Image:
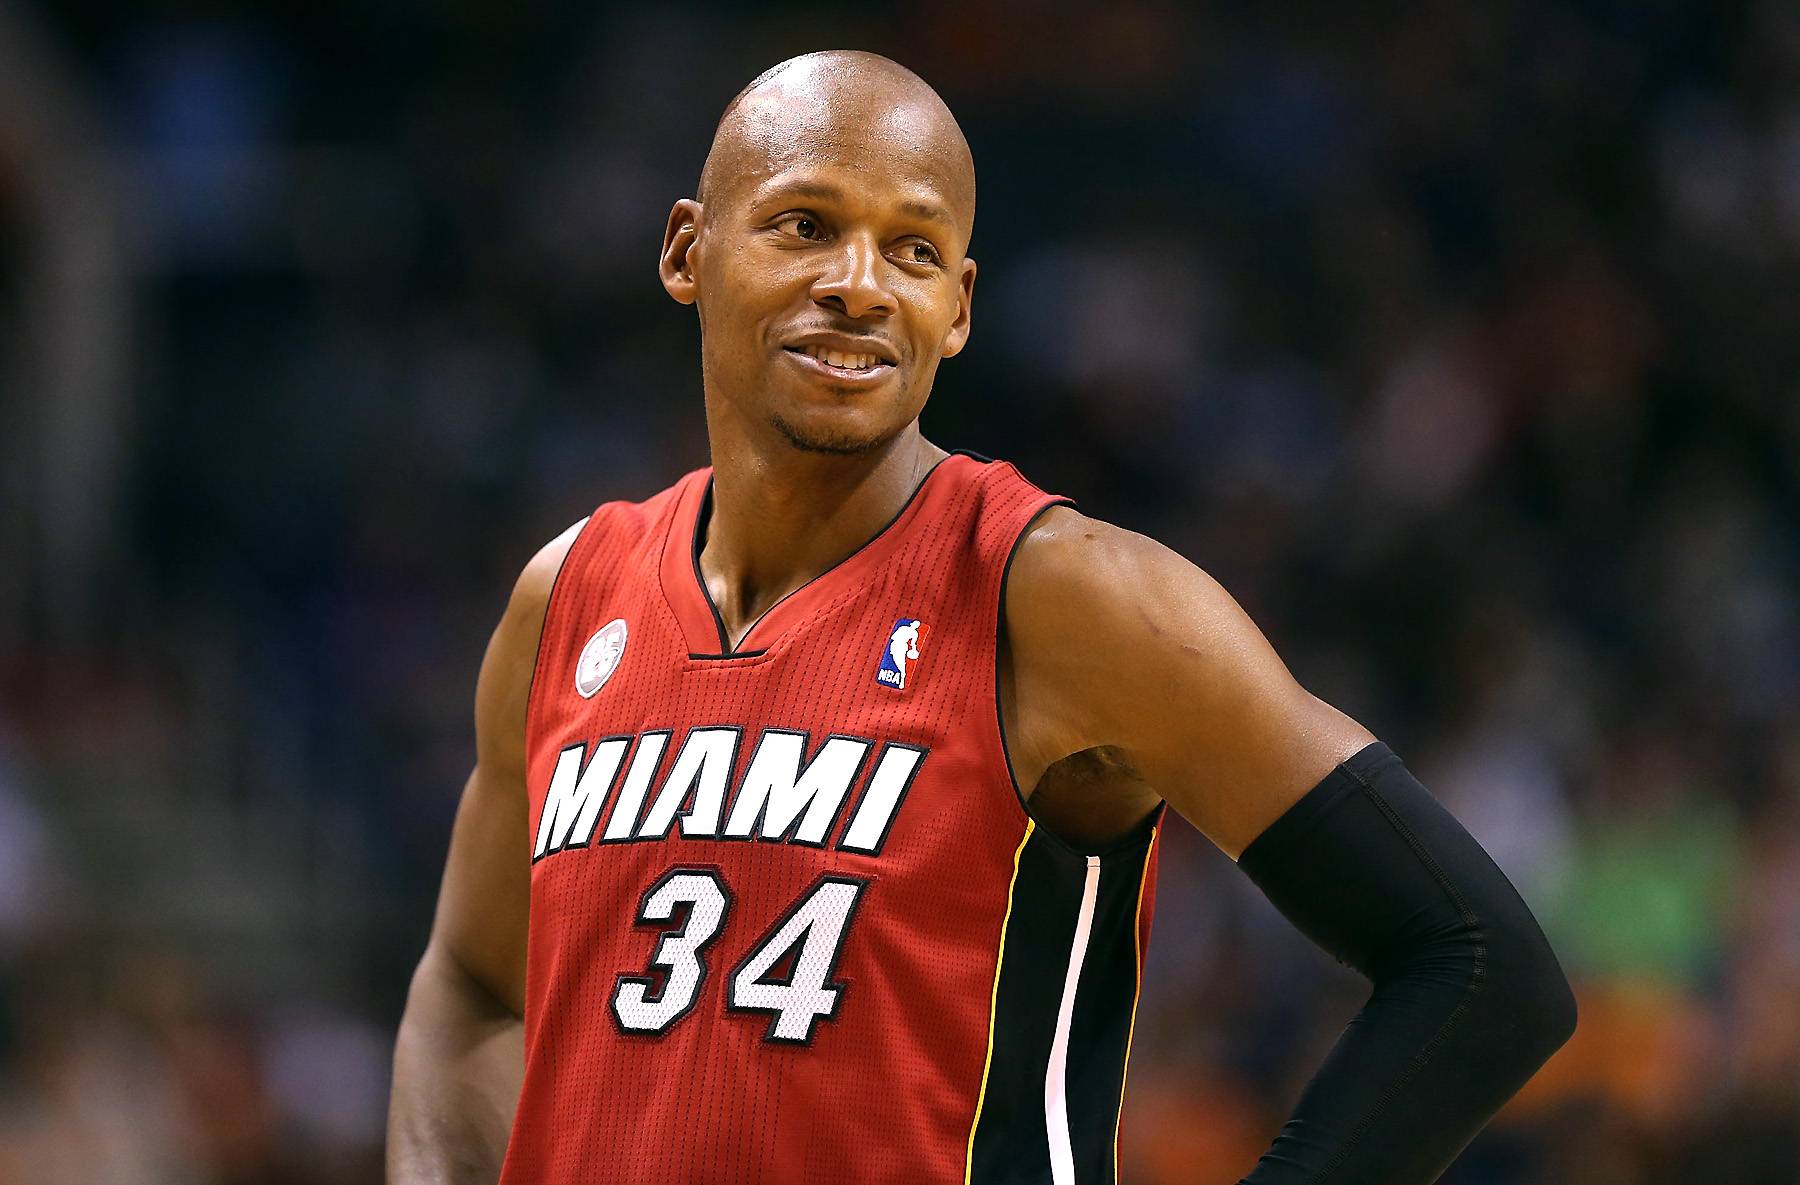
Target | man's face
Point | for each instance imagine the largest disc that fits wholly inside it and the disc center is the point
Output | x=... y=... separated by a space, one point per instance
x=830 y=272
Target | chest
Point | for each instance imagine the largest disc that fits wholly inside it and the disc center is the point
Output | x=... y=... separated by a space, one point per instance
x=858 y=724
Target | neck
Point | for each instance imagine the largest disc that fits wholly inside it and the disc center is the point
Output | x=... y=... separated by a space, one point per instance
x=781 y=516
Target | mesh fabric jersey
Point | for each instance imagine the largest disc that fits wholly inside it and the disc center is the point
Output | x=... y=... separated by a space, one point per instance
x=790 y=921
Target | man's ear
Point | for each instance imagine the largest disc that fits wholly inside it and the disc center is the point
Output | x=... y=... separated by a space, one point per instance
x=958 y=337
x=680 y=251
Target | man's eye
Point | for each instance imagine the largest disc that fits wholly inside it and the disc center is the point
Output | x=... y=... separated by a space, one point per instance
x=919 y=252
x=799 y=224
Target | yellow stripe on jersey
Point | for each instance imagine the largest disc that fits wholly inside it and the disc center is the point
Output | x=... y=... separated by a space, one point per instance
x=987 y=1062
x=1137 y=944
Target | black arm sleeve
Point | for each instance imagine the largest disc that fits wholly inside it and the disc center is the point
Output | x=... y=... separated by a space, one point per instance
x=1469 y=1000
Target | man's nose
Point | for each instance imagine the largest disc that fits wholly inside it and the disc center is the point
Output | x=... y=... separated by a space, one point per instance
x=853 y=281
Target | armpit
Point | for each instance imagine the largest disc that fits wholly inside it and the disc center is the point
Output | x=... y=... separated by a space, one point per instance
x=1093 y=797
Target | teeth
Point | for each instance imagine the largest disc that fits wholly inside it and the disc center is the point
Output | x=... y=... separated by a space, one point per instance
x=841 y=360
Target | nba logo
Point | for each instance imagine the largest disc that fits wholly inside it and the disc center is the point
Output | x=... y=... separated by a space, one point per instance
x=902 y=653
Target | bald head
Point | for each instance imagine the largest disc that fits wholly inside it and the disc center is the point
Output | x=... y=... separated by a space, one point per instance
x=816 y=103
x=827 y=256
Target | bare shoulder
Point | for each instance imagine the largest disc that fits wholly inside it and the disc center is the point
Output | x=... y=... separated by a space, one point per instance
x=1095 y=618
x=1118 y=643
x=485 y=899
x=505 y=682
x=1067 y=554
x=531 y=592
x=1088 y=590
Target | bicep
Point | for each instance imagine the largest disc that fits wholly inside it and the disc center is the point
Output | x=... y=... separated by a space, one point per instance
x=1235 y=740
x=1155 y=659
x=484 y=902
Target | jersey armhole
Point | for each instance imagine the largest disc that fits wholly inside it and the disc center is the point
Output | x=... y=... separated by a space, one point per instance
x=1140 y=834
x=550 y=602
x=1012 y=552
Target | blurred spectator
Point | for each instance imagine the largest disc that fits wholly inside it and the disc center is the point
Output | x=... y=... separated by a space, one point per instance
x=1460 y=344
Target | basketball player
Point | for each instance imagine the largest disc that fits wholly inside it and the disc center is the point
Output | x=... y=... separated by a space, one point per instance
x=817 y=798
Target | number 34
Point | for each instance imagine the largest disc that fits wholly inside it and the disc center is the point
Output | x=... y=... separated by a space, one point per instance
x=809 y=937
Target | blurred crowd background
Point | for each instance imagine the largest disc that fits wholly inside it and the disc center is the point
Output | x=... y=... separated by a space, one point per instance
x=1461 y=342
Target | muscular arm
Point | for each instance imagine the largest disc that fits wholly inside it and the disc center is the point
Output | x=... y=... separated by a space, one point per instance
x=459 y=1057
x=1119 y=648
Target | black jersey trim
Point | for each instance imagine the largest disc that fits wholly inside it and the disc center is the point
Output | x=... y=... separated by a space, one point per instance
x=1140 y=832
x=537 y=657
x=1106 y=1007
x=725 y=650
x=1010 y=1138
x=1137 y=991
x=1012 y=553
x=700 y=580
x=987 y=1064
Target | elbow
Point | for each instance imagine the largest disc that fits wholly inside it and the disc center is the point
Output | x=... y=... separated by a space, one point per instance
x=1554 y=1000
x=1559 y=1011
x=1530 y=984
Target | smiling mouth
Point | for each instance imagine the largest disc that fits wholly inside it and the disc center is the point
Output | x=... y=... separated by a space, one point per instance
x=841 y=362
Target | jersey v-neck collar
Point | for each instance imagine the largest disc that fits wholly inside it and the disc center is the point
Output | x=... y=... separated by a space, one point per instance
x=703 y=627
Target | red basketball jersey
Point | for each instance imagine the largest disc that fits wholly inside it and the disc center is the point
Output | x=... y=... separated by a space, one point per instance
x=790 y=921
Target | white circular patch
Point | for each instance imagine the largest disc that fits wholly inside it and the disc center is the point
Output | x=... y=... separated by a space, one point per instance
x=600 y=658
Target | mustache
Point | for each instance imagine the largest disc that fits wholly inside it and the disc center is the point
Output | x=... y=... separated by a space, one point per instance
x=845 y=329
